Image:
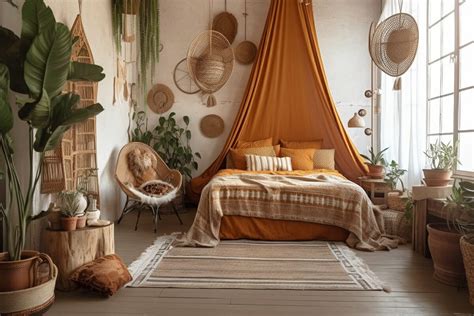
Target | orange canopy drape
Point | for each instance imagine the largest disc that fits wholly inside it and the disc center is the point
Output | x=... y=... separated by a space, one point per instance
x=287 y=95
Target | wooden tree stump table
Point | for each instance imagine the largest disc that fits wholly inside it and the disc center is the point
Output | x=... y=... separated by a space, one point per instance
x=70 y=250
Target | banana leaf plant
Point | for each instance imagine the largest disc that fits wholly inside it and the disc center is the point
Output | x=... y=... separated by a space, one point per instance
x=37 y=65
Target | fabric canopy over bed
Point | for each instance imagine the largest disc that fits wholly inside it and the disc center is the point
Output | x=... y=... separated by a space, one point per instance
x=287 y=96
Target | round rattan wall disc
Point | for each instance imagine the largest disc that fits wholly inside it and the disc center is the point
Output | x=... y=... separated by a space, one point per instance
x=393 y=44
x=160 y=98
x=212 y=126
x=246 y=52
x=226 y=23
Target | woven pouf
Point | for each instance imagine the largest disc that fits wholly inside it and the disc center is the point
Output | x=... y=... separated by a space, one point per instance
x=467 y=249
x=396 y=224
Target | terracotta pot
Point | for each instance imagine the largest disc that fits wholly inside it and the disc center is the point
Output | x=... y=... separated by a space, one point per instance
x=20 y=274
x=467 y=249
x=376 y=171
x=54 y=219
x=437 y=177
x=81 y=221
x=69 y=223
x=446 y=254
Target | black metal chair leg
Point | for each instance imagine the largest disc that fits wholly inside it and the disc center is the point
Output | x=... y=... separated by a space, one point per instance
x=123 y=211
x=176 y=212
x=138 y=218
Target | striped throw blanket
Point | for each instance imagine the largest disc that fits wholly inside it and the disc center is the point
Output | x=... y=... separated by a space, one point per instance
x=317 y=198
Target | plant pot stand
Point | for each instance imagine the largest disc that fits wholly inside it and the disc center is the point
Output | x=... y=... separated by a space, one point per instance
x=72 y=249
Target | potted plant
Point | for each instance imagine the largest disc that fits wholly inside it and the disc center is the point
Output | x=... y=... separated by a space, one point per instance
x=69 y=209
x=376 y=163
x=444 y=238
x=172 y=143
x=395 y=199
x=37 y=64
x=443 y=158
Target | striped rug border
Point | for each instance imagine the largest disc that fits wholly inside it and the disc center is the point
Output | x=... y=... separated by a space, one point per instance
x=363 y=278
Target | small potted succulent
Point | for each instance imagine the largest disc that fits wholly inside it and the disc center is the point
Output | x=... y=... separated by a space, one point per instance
x=443 y=159
x=393 y=176
x=444 y=239
x=376 y=163
x=69 y=209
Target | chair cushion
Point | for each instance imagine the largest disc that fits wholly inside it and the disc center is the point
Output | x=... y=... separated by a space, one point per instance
x=140 y=163
x=156 y=188
x=105 y=275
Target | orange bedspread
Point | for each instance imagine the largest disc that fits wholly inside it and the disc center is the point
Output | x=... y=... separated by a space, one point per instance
x=242 y=227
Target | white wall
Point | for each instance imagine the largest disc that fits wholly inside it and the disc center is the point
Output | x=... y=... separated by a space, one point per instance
x=342 y=27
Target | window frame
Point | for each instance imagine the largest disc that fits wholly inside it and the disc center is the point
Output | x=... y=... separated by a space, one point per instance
x=454 y=55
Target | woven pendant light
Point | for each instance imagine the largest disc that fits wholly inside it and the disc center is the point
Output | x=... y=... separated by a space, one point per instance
x=210 y=61
x=393 y=44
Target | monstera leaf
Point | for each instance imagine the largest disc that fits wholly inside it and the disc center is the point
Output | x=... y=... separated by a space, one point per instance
x=47 y=62
x=85 y=72
x=6 y=116
x=64 y=115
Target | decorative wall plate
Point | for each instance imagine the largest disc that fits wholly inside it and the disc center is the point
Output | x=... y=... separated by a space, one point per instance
x=182 y=79
x=212 y=125
x=160 y=98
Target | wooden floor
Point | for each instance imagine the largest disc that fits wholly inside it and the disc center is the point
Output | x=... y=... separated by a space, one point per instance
x=409 y=275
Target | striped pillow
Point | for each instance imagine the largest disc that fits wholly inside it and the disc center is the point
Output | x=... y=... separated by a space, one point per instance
x=268 y=163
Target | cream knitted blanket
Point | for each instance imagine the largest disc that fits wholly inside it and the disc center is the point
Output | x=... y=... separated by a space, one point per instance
x=317 y=198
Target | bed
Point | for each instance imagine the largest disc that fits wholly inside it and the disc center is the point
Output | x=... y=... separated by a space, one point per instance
x=289 y=205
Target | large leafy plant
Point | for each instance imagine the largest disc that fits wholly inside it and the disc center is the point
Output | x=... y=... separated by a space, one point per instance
x=37 y=64
x=375 y=158
x=443 y=156
x=460 y=207
x=171 y=142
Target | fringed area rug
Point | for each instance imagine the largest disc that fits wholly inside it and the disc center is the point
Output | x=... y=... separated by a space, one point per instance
x=253 y=265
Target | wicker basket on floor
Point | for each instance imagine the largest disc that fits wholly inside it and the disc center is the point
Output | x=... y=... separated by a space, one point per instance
x=397 y=224
x=467 y=249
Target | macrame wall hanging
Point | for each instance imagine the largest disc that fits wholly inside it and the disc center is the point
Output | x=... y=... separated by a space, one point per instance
x=73 y=165
x=393 y=44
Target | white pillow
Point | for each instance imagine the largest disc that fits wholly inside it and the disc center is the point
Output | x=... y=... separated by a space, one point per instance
x=267 y=163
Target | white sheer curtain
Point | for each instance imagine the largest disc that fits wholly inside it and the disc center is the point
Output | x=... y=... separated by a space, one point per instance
x=403 y=113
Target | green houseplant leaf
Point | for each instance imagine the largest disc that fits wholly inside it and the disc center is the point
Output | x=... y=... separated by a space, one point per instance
x=85 y=72
x=47 y=62
x=6 y=116
x=38 y=113
x=10 y=56
x=37 y=18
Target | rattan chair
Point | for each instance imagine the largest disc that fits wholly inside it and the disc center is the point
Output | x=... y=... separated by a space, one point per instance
x=137 y=200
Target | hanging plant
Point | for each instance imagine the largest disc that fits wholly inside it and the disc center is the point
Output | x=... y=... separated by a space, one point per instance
x=147 y=34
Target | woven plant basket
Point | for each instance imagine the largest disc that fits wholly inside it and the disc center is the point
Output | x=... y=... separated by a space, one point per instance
x=34 y=300
x=467 y=249
x=396 y=201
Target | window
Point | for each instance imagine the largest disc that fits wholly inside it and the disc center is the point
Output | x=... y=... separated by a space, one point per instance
x=450 y=77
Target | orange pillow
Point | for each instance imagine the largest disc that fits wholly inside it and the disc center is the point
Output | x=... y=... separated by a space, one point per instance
x=316 y=144
x=301 y=159
x=238 y=155
x=256 y=143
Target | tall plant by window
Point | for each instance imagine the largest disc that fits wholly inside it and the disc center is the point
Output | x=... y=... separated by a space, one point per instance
x=37 y=64
x=147 y=33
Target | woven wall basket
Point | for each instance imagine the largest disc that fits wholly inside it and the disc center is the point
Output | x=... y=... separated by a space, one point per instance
x=226 y=24
x=393 y=44
x=246 y=52
x=212 y=126
x=210 y=61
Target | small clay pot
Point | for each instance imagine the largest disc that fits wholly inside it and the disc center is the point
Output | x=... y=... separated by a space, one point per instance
x=81 y=221
x=68 y=223
x=376 y=171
